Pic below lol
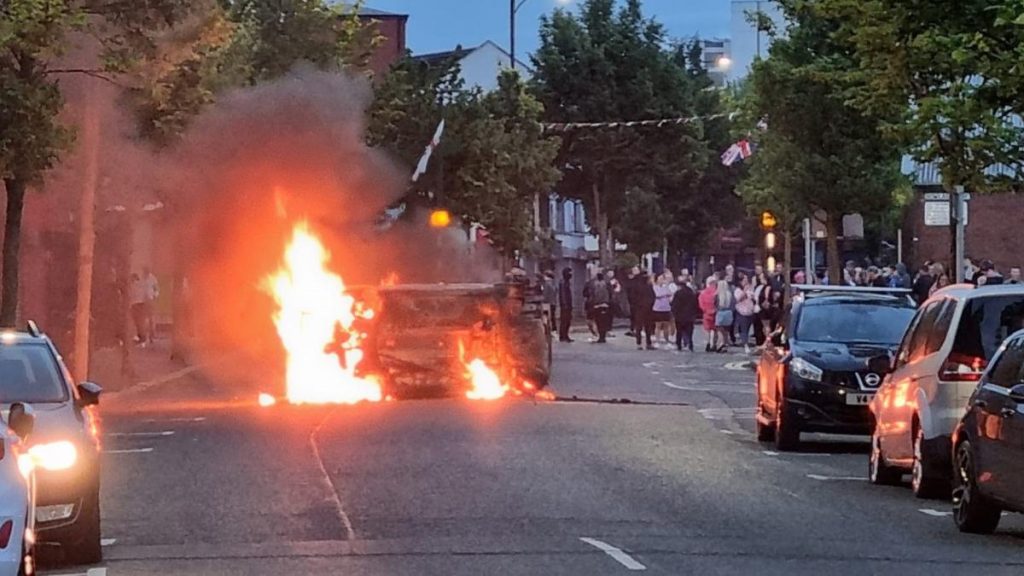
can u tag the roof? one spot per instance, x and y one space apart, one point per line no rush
460 52
366 11
964 291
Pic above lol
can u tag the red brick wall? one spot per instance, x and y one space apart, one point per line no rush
993 231
392 45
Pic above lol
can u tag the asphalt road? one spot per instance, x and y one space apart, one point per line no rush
199 480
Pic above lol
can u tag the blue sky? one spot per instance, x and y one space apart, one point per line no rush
438 25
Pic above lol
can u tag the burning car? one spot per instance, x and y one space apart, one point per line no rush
440 338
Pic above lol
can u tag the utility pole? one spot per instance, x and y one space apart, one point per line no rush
87 232
958 210
512 9
808 252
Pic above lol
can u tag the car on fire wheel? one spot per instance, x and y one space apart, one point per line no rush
972 511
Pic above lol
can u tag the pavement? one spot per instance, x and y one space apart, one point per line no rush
199 480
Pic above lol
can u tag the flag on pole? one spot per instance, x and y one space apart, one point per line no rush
421 166
738 151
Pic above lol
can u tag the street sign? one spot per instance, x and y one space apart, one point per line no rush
936 213
936 197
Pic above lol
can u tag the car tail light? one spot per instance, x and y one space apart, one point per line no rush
5 533
962 368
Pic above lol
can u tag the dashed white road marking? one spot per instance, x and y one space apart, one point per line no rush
616 554
140 434
743 365
108 541
193 419
129 451
936 513
655 372
730 432
89 572
837 478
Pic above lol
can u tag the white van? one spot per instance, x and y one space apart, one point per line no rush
935 371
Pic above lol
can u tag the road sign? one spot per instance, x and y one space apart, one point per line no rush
936 213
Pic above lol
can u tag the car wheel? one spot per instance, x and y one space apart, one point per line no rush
925 486
787 429
880 473
972 512
84 546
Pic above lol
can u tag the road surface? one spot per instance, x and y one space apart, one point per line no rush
199 480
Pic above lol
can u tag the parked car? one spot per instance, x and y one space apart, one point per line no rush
17 505
64 445
813 375
988 445
934 373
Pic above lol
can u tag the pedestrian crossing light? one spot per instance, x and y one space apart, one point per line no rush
440 219
769 241
768 220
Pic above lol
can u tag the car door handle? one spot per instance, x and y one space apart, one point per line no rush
1008 412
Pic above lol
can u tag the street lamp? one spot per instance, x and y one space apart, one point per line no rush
513 9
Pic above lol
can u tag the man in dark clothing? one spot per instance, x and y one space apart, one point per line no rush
992 276
565 306
643 320
685 310
601 301
922 284
876 279
634 282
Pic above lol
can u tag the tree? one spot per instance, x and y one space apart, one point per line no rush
945 75
607 66
493 157
33 37
832 156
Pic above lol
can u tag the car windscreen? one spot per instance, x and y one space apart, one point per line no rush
986 322
29 373
849 322
436 311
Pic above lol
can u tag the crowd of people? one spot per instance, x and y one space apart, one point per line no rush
733 308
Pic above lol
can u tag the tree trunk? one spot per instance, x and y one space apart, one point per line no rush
86 237
12 246
787 263
601 219
832 225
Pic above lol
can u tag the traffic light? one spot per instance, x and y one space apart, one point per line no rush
768 221
440 219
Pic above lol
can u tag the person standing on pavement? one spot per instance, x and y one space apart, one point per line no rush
620 308
745 306
662 310
706 300
684 311
152 290
565 306
588 302
635 282
725 315
644 307
137 303
601 301
921 288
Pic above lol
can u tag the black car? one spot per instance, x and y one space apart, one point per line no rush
64 443
813 374
988 444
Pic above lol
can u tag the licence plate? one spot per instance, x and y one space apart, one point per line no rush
859 399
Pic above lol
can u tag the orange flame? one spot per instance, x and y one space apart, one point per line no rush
486 383
315 321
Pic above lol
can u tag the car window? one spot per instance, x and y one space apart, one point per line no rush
1006 371
849 322
939 330
903 356
985 323
925 327
29 373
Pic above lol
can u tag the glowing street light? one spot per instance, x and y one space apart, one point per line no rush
723 63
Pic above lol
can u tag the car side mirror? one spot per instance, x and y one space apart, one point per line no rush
21 419
89 394
1017 393
881 364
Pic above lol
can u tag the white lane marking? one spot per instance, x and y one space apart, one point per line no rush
744 365
108 541
655 372
140 434
727 432
801 454
715 387
89 572
617 554
129 451
839 478
936 513
335 498
650 364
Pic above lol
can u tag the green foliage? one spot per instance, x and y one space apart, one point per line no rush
493 157
602 65
819 153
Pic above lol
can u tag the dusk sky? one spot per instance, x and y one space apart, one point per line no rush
438 25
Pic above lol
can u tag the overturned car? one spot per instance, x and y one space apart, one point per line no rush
424 336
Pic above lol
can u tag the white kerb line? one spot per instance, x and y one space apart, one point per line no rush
616 554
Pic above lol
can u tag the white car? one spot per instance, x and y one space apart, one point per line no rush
937 367
17 500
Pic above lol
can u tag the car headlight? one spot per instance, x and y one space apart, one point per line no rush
54 456
805 370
